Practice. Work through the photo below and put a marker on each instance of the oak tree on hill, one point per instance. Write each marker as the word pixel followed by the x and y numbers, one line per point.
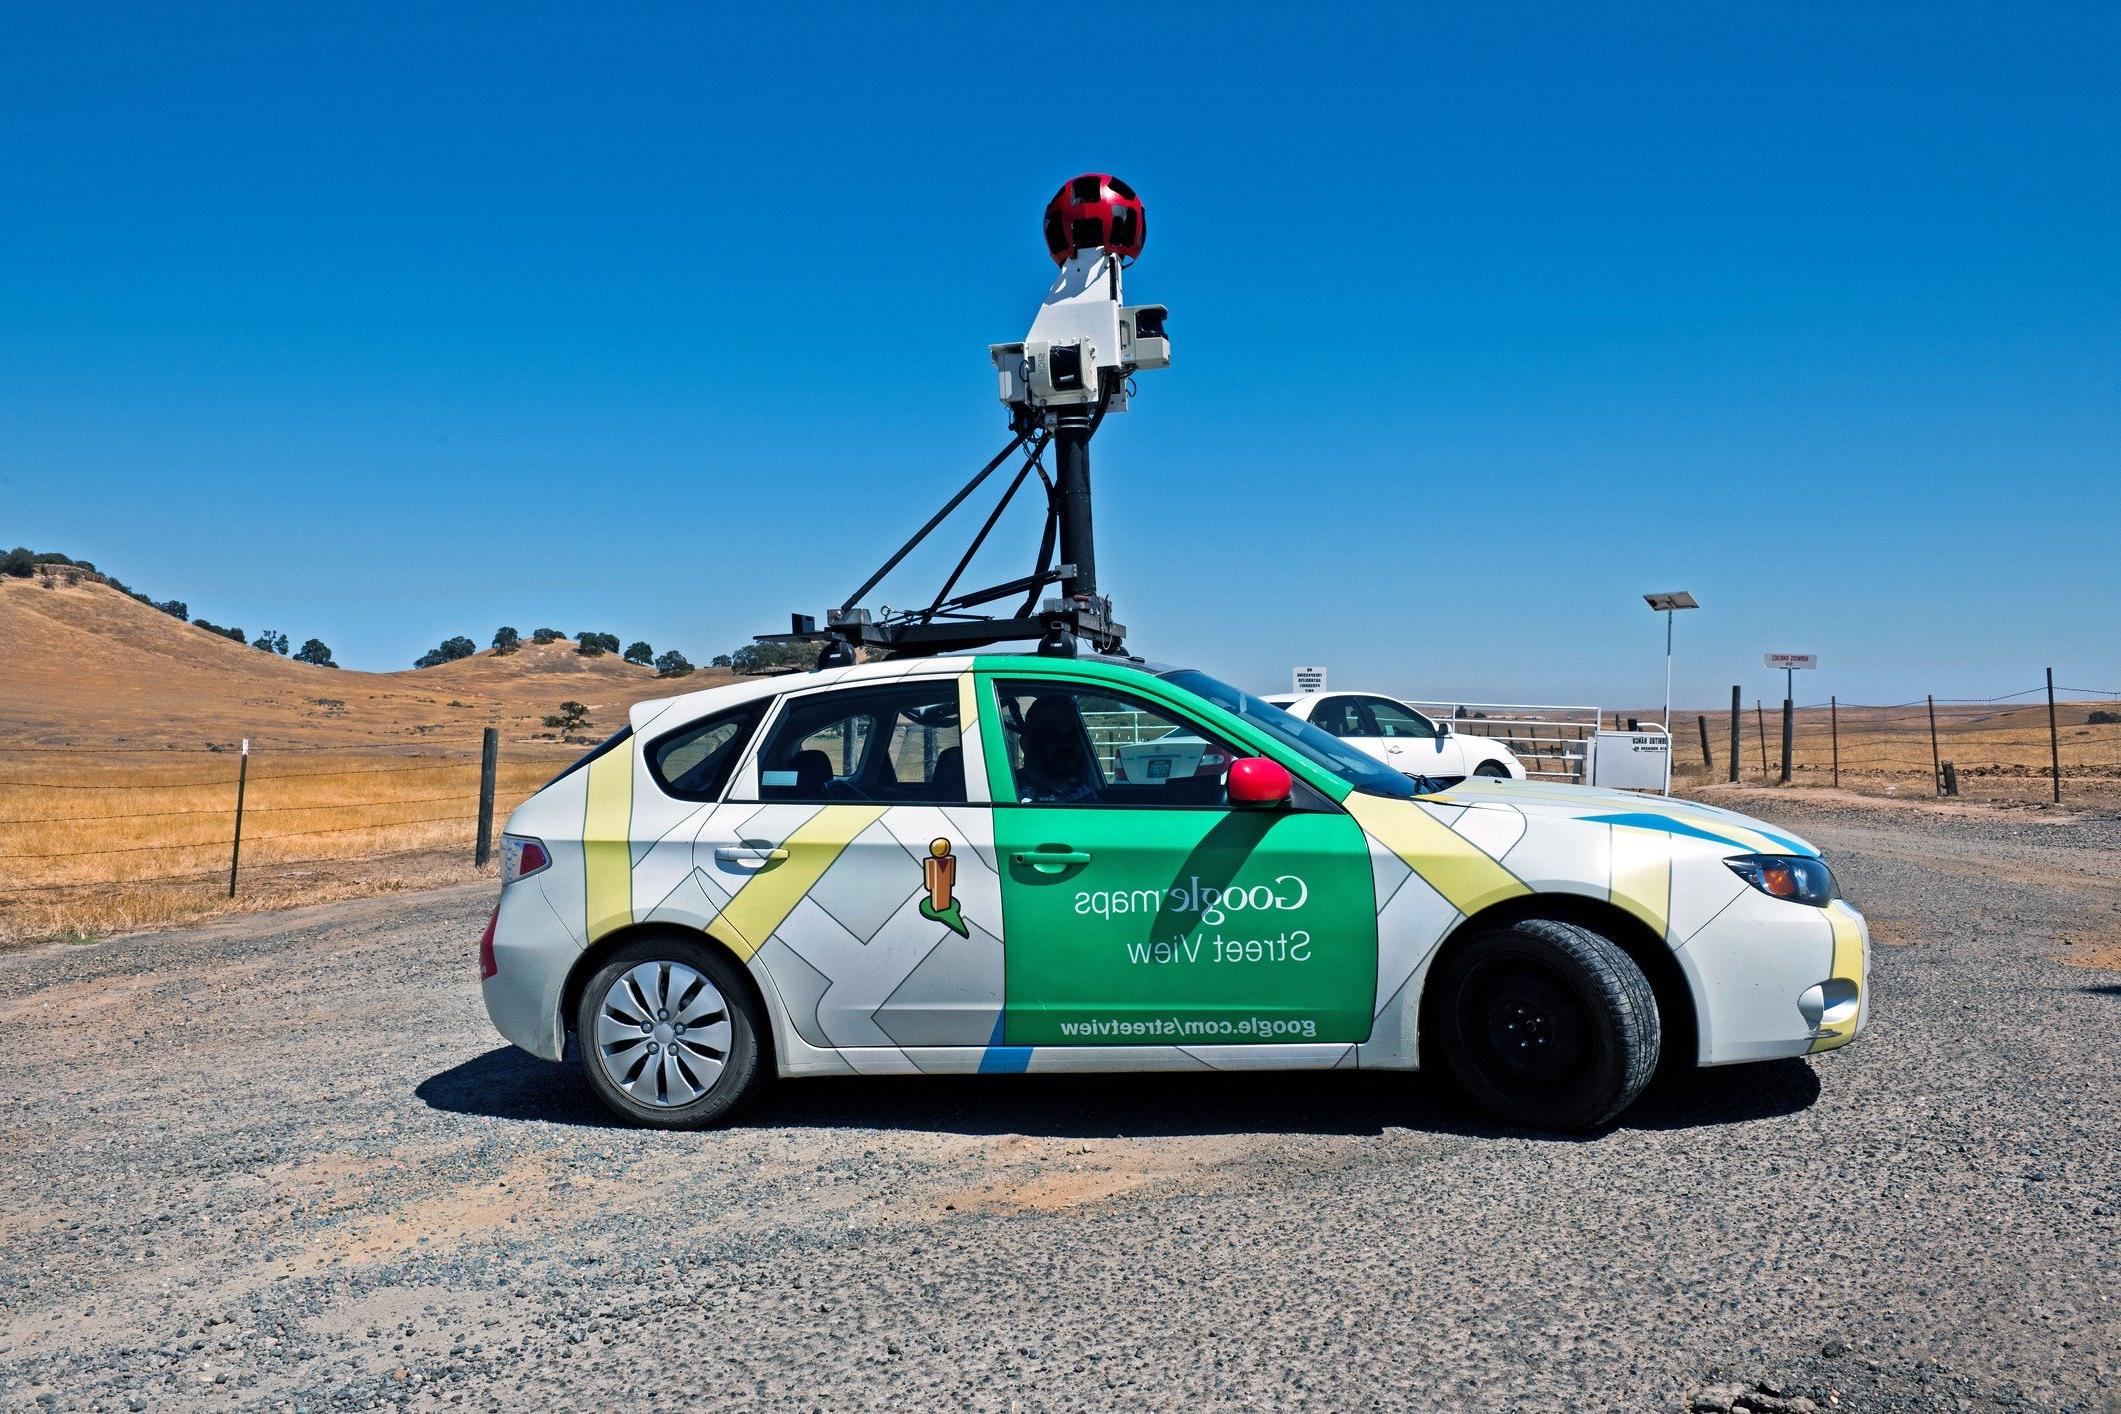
pixel 639 652
pixel 590 644
pixel 546 635
pixel 270 642
pixel 672 664
pixel 506 640
pixel 448 651
pixel 313 651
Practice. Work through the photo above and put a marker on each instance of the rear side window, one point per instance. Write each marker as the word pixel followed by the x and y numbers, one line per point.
pixel 695 761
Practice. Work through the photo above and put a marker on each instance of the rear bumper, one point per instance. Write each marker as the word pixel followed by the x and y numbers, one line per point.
pixel 532 952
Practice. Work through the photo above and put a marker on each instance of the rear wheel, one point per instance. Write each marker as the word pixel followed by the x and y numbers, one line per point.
pixel 1548 1025
pixel 667 1033
pixel 1494 770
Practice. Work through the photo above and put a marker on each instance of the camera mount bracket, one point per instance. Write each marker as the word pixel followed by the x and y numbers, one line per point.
pixel 1075 365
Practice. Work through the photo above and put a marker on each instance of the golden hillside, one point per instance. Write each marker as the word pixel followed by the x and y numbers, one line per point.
pixel 84 665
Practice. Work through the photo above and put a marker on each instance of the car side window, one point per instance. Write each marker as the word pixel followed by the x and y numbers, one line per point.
pixel 1399 722
pixel 695 761
pixel 1344 717
pixel 893 744
pixel 1074 744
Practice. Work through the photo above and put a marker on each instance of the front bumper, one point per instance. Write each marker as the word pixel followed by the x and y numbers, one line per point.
pixel 1774 979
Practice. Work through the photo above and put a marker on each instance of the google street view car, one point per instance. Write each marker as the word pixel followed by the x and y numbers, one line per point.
pixel 940 865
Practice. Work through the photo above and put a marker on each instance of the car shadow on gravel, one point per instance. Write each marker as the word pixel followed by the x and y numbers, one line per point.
pixel 506 1083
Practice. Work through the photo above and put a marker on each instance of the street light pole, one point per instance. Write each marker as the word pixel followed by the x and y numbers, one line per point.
pixel 1668 605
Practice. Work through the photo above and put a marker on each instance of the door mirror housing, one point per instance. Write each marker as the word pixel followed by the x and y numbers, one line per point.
pixel 1443 727
pixel 1258 783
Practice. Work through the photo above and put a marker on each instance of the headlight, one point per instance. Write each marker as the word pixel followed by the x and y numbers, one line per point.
pixel 1796 877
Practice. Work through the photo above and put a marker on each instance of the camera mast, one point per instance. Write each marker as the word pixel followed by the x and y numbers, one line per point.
pixel 1073 367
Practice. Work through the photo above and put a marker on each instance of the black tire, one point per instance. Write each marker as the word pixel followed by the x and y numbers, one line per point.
pixel 741 1074
pixel 1547 1025
pixel 1493 770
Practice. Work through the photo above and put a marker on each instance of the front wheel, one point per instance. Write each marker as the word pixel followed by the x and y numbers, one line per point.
pixel 1547 1024
pixel 1493 770
pixel 667 1033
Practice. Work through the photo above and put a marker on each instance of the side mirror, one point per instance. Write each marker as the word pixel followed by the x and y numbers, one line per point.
pixel 1443 726
pixel 1257 783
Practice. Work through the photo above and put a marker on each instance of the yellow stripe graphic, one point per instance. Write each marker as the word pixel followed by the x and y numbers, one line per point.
pixel 765 900
pixel 1848 963
pixel 1450 863
pixel 607 843
pixel 1642 875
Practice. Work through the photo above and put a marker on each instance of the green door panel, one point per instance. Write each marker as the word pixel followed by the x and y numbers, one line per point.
pixel 1184 927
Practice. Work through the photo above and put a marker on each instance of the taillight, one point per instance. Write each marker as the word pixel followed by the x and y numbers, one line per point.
pixel 487 966
pixel 521 857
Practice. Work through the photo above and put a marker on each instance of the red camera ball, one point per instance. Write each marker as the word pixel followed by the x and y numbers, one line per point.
pixel 1095 209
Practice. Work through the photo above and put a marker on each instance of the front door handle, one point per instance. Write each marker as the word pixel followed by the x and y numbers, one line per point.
pixel 1050 861
pixel 748 854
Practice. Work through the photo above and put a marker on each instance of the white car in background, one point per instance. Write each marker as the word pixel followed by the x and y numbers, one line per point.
pixel 1406 740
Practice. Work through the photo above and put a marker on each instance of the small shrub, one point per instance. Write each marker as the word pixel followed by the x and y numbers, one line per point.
pixel 176 609
pixel 570 716
pixel 2103 719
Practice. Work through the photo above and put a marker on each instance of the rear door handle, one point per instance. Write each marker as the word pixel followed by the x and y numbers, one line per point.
pixel 1050 861
pixel 746 854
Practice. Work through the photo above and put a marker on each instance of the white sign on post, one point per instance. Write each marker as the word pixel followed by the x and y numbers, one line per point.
pixel 1786 662
pixel 1308 680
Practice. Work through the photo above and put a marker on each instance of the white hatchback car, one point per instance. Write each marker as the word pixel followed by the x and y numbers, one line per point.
pixel 1406 740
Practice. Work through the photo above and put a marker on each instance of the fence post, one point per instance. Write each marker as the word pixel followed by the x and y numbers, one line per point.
pixel 1936 766
pixel 235 849
pixel 1708 762
pixel 2054 740
pixel 1833 707
pixel 489 753
pixel 1951 779
pixel 1788 736
pixel 1737 720
pixel 1760 720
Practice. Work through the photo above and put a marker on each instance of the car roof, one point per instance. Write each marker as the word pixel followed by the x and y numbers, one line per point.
pixel 664 712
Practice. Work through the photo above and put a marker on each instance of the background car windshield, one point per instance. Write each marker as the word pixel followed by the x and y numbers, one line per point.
pixel 1366 774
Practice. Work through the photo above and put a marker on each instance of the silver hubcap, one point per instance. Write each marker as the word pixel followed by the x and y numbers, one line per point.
pixel 663 1034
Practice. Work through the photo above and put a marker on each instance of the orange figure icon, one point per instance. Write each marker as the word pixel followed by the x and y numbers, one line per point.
pixel 939 873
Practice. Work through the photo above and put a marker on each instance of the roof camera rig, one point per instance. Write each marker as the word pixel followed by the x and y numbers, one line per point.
pixel 1076 365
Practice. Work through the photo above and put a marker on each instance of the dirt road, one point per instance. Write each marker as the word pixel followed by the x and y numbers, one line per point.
pixel 285 1161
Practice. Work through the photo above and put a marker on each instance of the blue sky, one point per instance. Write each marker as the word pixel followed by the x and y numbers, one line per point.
pixel 388 322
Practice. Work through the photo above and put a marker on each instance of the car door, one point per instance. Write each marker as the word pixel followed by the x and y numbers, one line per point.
pixel 1411 742
pixel 855 853
pixel 1153 912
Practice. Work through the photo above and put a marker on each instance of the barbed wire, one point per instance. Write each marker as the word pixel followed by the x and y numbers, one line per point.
pixel 260 839
pixel 219 875
pixel 230 810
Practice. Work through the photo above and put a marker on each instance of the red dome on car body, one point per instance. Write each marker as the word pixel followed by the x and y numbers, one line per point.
pixel 1093 210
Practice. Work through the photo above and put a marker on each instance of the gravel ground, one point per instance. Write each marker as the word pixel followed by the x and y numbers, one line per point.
pixel 284 1161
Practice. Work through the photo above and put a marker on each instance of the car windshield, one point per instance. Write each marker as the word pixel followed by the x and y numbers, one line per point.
pixel 1365 773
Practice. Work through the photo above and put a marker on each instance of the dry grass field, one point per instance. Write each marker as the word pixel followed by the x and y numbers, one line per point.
pixel 2001 749
pixel 119 734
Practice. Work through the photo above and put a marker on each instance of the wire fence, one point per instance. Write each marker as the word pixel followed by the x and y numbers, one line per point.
pixel 2053 741
pixel 93 833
